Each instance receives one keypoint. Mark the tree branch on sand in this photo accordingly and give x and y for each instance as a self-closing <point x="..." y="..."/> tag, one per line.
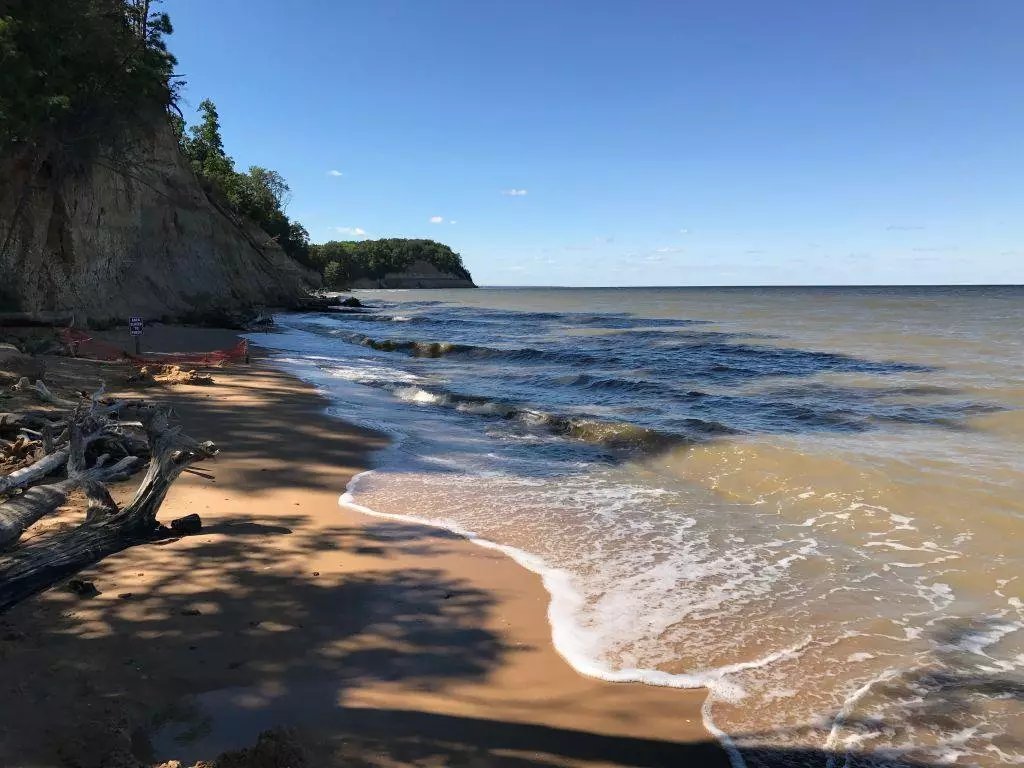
<point x="33" y="566"/>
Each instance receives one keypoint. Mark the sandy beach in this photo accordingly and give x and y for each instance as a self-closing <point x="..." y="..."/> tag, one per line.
<point x="376" y="642"/>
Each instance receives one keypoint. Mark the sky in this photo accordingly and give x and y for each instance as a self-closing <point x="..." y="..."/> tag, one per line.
<point x="592" y="143"/>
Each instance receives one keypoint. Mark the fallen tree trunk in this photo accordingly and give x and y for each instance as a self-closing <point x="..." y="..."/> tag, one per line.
<point x="34" y="472"/>
<point x="37" y="565"/>
<point x="98" y="417"/>
<point x="22" y="511"/>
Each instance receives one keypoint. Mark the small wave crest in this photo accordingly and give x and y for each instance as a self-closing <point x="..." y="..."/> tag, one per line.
<point x="620" y="435"/>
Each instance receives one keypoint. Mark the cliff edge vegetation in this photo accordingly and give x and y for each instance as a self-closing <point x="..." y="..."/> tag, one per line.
<point x="101" y="210"/>
<point x="390" y="263"/>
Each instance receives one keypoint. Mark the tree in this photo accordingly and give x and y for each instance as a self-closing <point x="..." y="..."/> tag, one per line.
<point x="80" y="78"/>
<point x="204" y="148"/>
<point x="260" y="194"/>
<point x="334" y="275"/>
<point x="341" y="262"/>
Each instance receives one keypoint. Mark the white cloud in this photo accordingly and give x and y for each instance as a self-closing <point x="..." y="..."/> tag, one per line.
<point x="684" y="231"/>
<point x="453" y="222"/>
<point x="436" y="219"/>
<point x="668" y="250"/>
<point x="357" y="231"/>
<point x="335" y="173"/>
<point x="514" y="192"/>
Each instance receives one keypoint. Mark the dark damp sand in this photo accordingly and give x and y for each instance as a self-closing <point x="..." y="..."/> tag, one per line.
<point x="384" y="643"/>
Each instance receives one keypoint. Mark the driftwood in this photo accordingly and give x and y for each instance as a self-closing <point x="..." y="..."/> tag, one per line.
<point x="36" y="565"/>
<point x="22" y="511"/>
<point x="43" y="393"/>
<point x="32" y="474"/>
<point x="86" y="427"/>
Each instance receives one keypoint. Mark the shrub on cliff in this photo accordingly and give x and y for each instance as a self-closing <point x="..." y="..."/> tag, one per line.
<point x="259" y="194"/>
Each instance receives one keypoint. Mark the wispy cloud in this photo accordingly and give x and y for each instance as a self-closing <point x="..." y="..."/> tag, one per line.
<point x="357" y="231"/>
<point x="453" y="222"/>
<point x="436" y="219"/>
<point x="668" y="250"/>
<point x="754" y="251"/>
<point x="514" y="192"/>
<point x="903" y="227"/>
<point x="335" y="173"/>
<point x="936" y="249"/>
<point x="684" y="231"/>
<point x="608" y="239"/>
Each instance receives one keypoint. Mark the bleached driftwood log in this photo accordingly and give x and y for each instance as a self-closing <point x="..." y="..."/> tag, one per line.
<point x="43" y="392"/>
<point x="38" y="564"/>
<point x="33" y="473"/>
<point x="24" y="510"/>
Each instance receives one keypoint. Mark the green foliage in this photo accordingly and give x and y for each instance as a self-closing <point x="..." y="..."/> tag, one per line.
<point x="259" y="194"/>
<point x="78" y="78"/>
<point x="345" y="261"/>
<point x="333" y="274"/>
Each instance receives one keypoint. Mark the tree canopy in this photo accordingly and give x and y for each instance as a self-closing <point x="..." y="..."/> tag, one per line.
<point x="342" y="262"/>
<point x="78" y="78"/>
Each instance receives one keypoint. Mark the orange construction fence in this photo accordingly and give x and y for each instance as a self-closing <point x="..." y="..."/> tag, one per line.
<point x="81" y="343"/>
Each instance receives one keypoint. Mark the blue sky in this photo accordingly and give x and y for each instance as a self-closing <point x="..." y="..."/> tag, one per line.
<point x="726" y="142"/>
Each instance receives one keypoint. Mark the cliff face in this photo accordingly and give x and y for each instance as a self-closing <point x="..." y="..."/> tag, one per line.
<point x="419" y="274"/>
<point x="143" y="239"/>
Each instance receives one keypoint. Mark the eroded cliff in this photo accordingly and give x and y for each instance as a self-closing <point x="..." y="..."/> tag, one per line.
<point x="137" y="235"/>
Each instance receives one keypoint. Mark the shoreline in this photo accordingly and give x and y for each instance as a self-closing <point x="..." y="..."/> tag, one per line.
<point x="442" y="638"/>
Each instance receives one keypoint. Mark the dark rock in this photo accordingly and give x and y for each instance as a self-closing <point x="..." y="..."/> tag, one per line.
<point x="351" y="301"/>
<point x="187" y="524"/>
<point x="190" y="612"/>
<point x="82" y="588"/>
<point x="312" y="303"/>
<point x="277" y="747"/>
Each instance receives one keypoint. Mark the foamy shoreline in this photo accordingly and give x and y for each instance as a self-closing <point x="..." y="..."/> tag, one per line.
<point x="564" y="600"/>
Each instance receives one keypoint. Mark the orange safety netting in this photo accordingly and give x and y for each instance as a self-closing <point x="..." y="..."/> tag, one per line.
<point x="81" y="343"/>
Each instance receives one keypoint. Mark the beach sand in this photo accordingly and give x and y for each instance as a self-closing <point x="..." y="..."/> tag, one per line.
<point x="379" y="643"/>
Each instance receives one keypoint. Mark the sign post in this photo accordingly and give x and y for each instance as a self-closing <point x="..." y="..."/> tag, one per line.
<point x="135" y="328"/>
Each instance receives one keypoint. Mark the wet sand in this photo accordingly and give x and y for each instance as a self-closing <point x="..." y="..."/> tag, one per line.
<point x="382" y="643"/>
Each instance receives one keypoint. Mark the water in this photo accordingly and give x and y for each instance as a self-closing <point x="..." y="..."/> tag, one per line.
<point x="808" y="500"/>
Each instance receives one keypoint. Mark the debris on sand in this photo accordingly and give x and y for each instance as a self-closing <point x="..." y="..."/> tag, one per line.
<point x="168" y="374"/>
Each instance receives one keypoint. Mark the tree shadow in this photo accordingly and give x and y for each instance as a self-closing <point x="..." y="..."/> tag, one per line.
<point x="226" y="625"/>
<point x="359" y="737"/>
